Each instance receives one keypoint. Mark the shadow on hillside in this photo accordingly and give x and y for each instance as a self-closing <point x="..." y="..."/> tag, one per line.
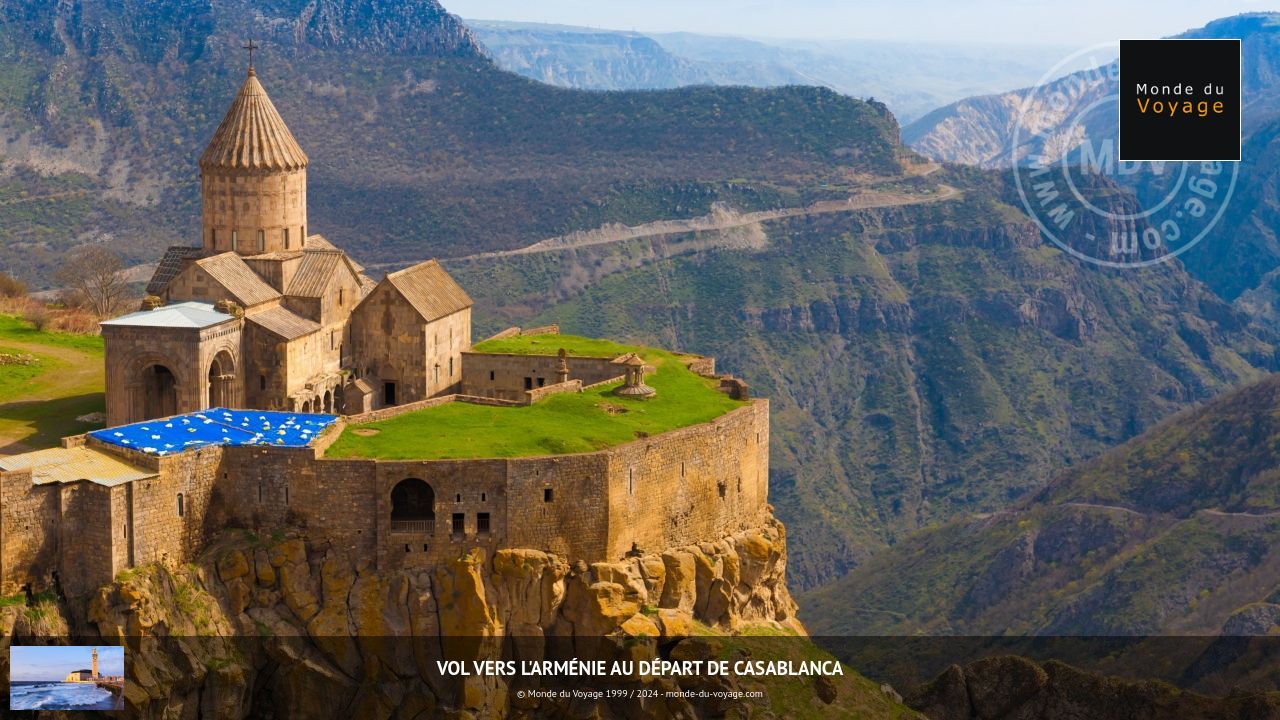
<point x="36" y="424"/>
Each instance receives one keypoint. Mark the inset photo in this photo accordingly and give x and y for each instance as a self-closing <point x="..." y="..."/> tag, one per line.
<point x="66" y="677"/>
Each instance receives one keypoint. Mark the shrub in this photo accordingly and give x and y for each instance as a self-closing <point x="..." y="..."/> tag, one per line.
<point x="11" y="287"/>
<point x="38" y="315"/>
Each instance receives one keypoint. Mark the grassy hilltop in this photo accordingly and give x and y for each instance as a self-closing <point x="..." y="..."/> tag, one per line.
<point x="559" y="424"/>
<point x="47" y="380"/>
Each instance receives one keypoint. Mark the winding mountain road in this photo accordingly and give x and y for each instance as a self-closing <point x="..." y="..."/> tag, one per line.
<point x="720" y="218"/>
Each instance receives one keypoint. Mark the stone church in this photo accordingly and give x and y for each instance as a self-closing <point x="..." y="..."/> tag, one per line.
<point x="264" y="314"/>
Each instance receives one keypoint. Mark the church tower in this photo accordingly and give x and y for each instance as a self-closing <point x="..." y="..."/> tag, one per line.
<point x="253" y="179"/>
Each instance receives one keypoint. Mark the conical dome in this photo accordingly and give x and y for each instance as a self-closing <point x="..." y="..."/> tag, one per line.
<point x="253" y="136"/>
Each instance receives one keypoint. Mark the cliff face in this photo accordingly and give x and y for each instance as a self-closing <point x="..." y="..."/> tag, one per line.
<point x="296" y="626"/>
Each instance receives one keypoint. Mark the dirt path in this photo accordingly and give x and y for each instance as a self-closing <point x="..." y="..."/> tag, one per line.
<point x="719" y="218"/>
<point x="85" y="368"/>
<point x="59" y="389"/>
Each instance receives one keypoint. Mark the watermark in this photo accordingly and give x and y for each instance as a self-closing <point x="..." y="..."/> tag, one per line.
<point x="1084" y="198"/>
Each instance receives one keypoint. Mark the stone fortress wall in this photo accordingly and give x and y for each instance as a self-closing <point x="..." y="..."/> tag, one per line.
<point x="691" y="485"/>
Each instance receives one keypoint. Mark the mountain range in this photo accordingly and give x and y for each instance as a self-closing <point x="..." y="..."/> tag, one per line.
<point x="911" y="78"/>
<point x="421" y="146"/>
<point x="1173" y="533"/>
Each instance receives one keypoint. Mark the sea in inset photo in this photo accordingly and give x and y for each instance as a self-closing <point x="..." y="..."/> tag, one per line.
<point x="66" y="677"/>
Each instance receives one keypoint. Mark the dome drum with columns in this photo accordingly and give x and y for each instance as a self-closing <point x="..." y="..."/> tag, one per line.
<point x="261" y="314"/>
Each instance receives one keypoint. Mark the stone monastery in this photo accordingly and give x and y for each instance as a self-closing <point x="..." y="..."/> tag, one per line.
<point x="258" y="349"/>
<point x="263" y="315"/>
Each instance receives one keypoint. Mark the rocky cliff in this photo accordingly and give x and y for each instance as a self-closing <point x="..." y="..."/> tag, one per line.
<point x="286" y="627"/>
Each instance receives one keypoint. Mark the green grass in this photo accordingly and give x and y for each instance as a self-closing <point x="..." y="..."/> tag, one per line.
<point x="15" y="328"/>
<point x="551" y="344"/>
<point x="40" y="403"/>
<point x="15" y="380"/>
<point x="566" y="423"/>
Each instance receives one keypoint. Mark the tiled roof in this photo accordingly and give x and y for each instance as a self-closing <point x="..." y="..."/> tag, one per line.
<point x="430" y="290"/>
<point x="170" y="265"/>
<point x="178" y="315"/>
<point x="283" y="322"/>
<point x="63" y="465"/>
<point x="314" y="273"/>
<point x="253" y="136"/>
<point x="318" y="242"/>
<point x="231" y="271"/>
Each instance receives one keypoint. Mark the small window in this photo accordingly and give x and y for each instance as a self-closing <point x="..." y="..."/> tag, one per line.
<point x="457" y="498"/>
<point x="124" y="529"/>
<point x="181" y="509"/>
<point x="286" y="494"/>
<point x="546" y="494"/>
<point x="262" y="241"/>
<point x="528" y="383"/>
<point x="213" y="238"/>
<point x="681" y="469"/>
<point x="542" y="382"/>
<point x="262" y="382"/>
<point x="482" y="523"/>
<point x="482" y="497"/>
<point x="286" y="238"/>
<point x="406" y="547"/>
<point x="631" y="481"/>
<point x="235" y="239"/>
<point x="459" y="523"/>
<point x="424" y="547"/>
<point x="450" y="367"/>
<point x="333" y="339"/>
<point x="491" y="375"/>
<point x="342" y="295"/>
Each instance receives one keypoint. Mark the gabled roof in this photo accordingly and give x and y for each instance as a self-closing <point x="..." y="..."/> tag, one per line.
<point x="170" y="265"/>
<point x="314" y="273"/>
<point x="233" y="273"/>
<point x="430" y="290"/>
<point x="283" y="322"/>
<point x="178" y="315"/>
<point x="253" y="136"/>
<point x="318" y="242"/>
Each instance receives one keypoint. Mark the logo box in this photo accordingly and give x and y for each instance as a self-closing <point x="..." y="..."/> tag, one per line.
<point x="1180" y="100"/>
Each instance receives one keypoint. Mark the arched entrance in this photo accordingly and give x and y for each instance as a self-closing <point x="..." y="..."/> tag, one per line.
<point x="339" y="404"/>
<point x="222" y="380"/>
<point x="413" y="507"/>
<point x="328" y="401"/>
<point x="159" y="392"/>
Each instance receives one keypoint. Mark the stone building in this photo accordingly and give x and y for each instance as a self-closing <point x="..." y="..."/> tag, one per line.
<point x="263" y="314"/>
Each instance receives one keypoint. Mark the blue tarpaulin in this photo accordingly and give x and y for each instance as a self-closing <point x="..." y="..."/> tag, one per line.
<point x="217" y="426"/>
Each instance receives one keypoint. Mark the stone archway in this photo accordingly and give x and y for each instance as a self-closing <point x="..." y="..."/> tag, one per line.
<point x="159" y="389"/>
<point x="339" y="400"/>
<point x="222" y="379"/>
<point x="328" y="401"/>
<point x="413" y="507"/>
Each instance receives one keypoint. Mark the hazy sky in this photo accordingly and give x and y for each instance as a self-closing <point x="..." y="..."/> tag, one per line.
<point x="54" y="662"/>
<point x="1040" y="22"/>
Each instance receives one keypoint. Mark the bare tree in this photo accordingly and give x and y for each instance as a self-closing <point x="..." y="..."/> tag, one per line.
<point x="97" y="275"/>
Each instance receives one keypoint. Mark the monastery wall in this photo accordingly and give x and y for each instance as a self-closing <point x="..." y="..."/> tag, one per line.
<point x="680" y="488"/>
<point x="508" y="376"/>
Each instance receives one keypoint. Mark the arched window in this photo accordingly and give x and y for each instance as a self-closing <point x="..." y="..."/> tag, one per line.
<point x="181" y="509"/>
<point x="413" y="507"/>
<point x="262" y="241"/>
